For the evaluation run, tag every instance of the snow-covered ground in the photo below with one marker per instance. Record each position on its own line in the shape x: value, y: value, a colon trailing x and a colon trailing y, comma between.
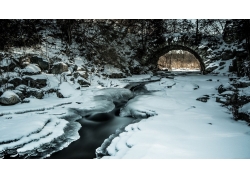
x: 176, y: 124
x: 179, y: 126
x: 48, y: 125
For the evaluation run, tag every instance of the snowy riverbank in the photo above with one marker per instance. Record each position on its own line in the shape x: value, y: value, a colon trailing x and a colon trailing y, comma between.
x: 179, y: 126
x: 175, y: 124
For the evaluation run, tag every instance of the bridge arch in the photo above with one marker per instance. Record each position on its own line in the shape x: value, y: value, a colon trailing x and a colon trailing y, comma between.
x: 198, y: 55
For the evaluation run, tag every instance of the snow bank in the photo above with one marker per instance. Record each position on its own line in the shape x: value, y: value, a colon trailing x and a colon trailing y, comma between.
x: 138, y: 78
x: 245, y: 108
x: 181, y: 127
x: 66, y: 89
x: 115, y: 94
x: 22, y: 125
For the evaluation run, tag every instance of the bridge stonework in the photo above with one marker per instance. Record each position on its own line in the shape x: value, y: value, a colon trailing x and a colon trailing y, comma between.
x: 206, y: 50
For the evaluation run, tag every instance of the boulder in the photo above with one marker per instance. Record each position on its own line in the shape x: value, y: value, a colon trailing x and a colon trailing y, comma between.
x: 38, y: 81
x: 24, y: 61
x: 31, y: 69
x: 38, y: 93
x: 82, y: 81
x: 210, y: 69
x: 16, y: 81
x: 42, y: 63
x: 82, y: 74
x: 59, y: 68
x: 225, y: 87
x: 9, y: 98
x: 19, y: 93
x: 21, y: 88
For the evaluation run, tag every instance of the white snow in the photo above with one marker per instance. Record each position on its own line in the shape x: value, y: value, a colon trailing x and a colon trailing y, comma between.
x: 245, y: 108
x: 8, y: 94
x: 178, y: 126
x: 31, y: 68
x: 22, y: 125
x: 66, y: 89
x: 115, y: 93
x: 110, y: 69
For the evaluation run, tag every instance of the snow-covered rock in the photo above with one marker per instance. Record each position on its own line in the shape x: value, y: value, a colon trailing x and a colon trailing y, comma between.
x: 82, y: 81
x: 16, y: 81
x: 9, y: 98
x: 38, y: 93
x: 65, y: 90
x: 225, y: 87
x: 59, y: 68
x: 82, y: 74
x: 31, y: 69
x: 37, y: 81
x: 42, y: 63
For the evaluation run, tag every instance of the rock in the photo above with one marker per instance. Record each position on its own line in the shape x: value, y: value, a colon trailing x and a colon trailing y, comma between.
x: 9, y: 98
x: 59, y: 95
x: 55, y: 59
x: 38, y: 93
x: 38, y: 81
x: 31, y: 69
x: 73, y: 67
x: 16, y: 81
x: 59, y: 68
x: 83, y: 82
x: 203, y: 98
x: 82, y: 74
x: 221, y: 100
x: 222, y: 88
x: 24, y: 61
x: 210, y: 69
x: 19, y: 93
x: 42, y: 63
x: 22, y: 88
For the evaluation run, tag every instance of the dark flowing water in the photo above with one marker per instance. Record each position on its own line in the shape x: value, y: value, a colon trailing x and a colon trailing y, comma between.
x: 95, y: 129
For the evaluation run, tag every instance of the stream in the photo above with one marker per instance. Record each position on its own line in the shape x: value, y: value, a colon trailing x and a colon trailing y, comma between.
x: 95, y: 129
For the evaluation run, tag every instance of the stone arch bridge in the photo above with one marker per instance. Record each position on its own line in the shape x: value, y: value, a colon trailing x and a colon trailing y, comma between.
x: 196, y: 46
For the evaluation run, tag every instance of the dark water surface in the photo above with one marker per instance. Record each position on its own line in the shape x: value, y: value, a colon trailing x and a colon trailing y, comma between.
x: 95, y: 129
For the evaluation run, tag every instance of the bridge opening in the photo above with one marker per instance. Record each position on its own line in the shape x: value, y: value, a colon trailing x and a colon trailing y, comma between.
x: 179, y: 60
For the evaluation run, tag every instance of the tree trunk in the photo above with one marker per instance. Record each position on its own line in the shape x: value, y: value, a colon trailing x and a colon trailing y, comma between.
x: 197, y: 31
